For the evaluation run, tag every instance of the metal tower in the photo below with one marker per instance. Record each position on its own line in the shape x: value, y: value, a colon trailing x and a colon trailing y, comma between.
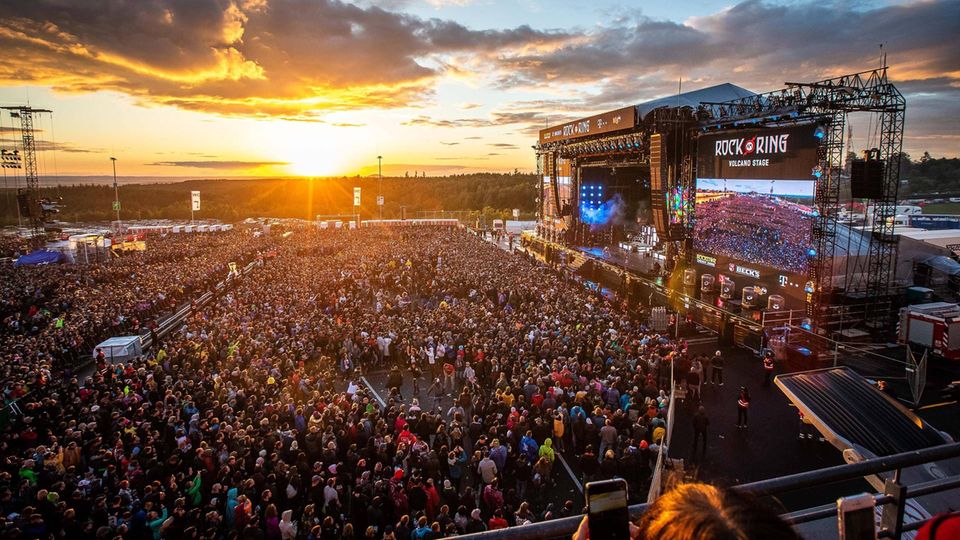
x: 31, y: 193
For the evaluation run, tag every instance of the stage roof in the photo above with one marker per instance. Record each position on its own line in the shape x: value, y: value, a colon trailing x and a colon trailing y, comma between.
x: 712, y: 94
x: 631, y: 116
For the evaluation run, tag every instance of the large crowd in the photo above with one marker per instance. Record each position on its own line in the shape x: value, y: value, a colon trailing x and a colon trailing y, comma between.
x: 254, y: 420
x: 52, y: 316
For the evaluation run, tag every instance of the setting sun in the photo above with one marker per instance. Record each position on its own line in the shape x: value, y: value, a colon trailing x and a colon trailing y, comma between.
x: 317, y: 161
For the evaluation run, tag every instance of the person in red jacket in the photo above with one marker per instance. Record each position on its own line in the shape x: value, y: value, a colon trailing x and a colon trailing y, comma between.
x: 497, y: 521
x: 767, y: 368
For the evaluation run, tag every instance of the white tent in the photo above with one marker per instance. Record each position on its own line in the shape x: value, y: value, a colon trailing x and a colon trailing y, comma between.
x: 120, y: 349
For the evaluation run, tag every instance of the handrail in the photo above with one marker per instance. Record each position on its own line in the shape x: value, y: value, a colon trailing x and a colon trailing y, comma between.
x: 656, y: 479
x: 567, y: 526
x: 850, y: 471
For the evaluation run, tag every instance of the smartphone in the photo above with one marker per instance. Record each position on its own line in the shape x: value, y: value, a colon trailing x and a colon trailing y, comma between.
x: 609, y: 518
x: 857, y: 519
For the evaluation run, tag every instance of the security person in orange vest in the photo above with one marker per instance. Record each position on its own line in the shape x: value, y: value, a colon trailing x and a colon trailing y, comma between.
x: 767, y: 367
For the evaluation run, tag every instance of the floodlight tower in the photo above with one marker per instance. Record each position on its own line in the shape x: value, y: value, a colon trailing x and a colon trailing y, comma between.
x: 380, y: 185
x: 116, y: 194
x: 31, y: 193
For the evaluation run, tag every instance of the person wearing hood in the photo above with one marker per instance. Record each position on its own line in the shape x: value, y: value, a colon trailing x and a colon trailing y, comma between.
x: 547, y: 450
x: 231, y: 506
x: 288, y: 527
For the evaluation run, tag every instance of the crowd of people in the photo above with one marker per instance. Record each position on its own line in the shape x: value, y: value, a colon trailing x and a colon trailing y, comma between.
x: 52, y: 316
x: 253, y: 421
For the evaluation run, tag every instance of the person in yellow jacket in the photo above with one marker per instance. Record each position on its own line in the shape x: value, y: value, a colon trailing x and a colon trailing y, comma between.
x: 546, y: 450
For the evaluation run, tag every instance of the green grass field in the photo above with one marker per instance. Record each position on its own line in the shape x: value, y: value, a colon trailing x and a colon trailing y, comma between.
x: 942, y: 208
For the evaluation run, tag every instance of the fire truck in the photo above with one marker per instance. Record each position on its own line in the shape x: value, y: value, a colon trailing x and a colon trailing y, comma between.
x: 935, y: 326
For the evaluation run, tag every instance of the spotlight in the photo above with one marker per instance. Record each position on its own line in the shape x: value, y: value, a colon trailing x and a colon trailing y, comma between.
x: 820, y: 133
x: 811, y: 252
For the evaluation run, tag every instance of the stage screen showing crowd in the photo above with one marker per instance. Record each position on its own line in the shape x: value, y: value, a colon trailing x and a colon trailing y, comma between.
x: 754, y: 209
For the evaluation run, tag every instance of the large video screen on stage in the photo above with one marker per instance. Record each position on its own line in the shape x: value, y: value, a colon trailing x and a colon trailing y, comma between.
x: 755, y: 196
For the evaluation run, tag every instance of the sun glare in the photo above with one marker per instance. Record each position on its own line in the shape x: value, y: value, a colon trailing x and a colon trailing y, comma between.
x: 322, y: 160
x: 307, y: 150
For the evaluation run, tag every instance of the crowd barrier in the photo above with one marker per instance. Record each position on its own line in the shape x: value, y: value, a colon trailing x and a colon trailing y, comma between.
x: 890, y: 504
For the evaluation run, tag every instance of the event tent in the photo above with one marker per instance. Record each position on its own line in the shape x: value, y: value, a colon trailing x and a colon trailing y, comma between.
x: 38, y: 257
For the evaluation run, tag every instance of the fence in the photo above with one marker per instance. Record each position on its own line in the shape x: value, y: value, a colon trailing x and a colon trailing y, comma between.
x: 656, y: 479
x: 892, y: 502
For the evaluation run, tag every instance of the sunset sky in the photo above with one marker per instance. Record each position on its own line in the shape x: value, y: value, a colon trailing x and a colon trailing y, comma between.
x: 315, y: 87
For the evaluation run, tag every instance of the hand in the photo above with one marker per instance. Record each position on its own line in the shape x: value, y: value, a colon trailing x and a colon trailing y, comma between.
x: 583, y: 531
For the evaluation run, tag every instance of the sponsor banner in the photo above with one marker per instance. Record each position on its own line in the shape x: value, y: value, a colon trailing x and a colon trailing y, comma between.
x: 775, y: 153
x: 744, y: 270
x: 706, y: 260
x: 195, y: 200
x: 624, y: 118
x: 356, y: 196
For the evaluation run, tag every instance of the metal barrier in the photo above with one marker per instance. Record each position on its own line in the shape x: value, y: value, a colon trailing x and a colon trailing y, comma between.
x: 892, y: 525
x: 174, y: 321
x: 656, y: 479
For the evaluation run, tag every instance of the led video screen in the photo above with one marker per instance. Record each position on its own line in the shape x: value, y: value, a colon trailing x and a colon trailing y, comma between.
x: 763, y: 222
x: 755, y: 196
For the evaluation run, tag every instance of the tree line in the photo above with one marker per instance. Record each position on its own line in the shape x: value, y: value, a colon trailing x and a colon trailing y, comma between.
x: 488, y: 194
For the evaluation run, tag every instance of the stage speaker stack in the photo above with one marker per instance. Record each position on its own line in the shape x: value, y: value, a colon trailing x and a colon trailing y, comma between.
x: 749, y: 297
x: 658, y: 187
x: 689, y: 277
x: 707, y: 283
x: 866, y: 176
x: 775, y: 302
x: 29, y: 206
x: 727, y: 289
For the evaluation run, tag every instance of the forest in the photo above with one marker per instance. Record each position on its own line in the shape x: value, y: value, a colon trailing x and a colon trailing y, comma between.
x: 488, y: 194
x: 485, y: 195
x: 929, y: 176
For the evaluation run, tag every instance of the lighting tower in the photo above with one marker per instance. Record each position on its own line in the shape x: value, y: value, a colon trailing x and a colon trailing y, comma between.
x: 31, y: 193
x: 116, y: 193
x: 380, y: 185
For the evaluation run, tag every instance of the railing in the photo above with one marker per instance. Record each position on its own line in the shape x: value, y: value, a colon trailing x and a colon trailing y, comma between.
x: 656, y: 479
x: 891, y: 503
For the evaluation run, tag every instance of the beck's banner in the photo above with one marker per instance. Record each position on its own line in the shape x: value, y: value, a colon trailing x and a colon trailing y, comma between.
x: 773, y: 153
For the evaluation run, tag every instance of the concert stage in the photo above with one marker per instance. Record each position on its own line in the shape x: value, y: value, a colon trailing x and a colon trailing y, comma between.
x: 737, y: 196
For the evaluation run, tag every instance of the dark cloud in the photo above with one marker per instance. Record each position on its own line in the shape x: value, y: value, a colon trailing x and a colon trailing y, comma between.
x: 295, y: 59
x: 753, y: 41
x: 473, y: 138
x: 502, y: 145
x: 218, y: 164
x: 440, y: 122
x: 452, y: 143
x: 43, y: 145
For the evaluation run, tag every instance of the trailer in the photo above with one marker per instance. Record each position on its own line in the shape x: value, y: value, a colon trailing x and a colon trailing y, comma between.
x: 935, y: 325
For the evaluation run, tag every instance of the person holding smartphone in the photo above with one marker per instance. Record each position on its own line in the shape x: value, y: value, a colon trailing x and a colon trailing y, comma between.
x: 690, y: 510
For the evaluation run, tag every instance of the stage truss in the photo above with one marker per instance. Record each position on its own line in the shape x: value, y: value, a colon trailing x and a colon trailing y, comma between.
x: 829, y: 101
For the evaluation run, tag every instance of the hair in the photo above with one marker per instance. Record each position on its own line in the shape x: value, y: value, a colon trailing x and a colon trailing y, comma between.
x: 704, y: 512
